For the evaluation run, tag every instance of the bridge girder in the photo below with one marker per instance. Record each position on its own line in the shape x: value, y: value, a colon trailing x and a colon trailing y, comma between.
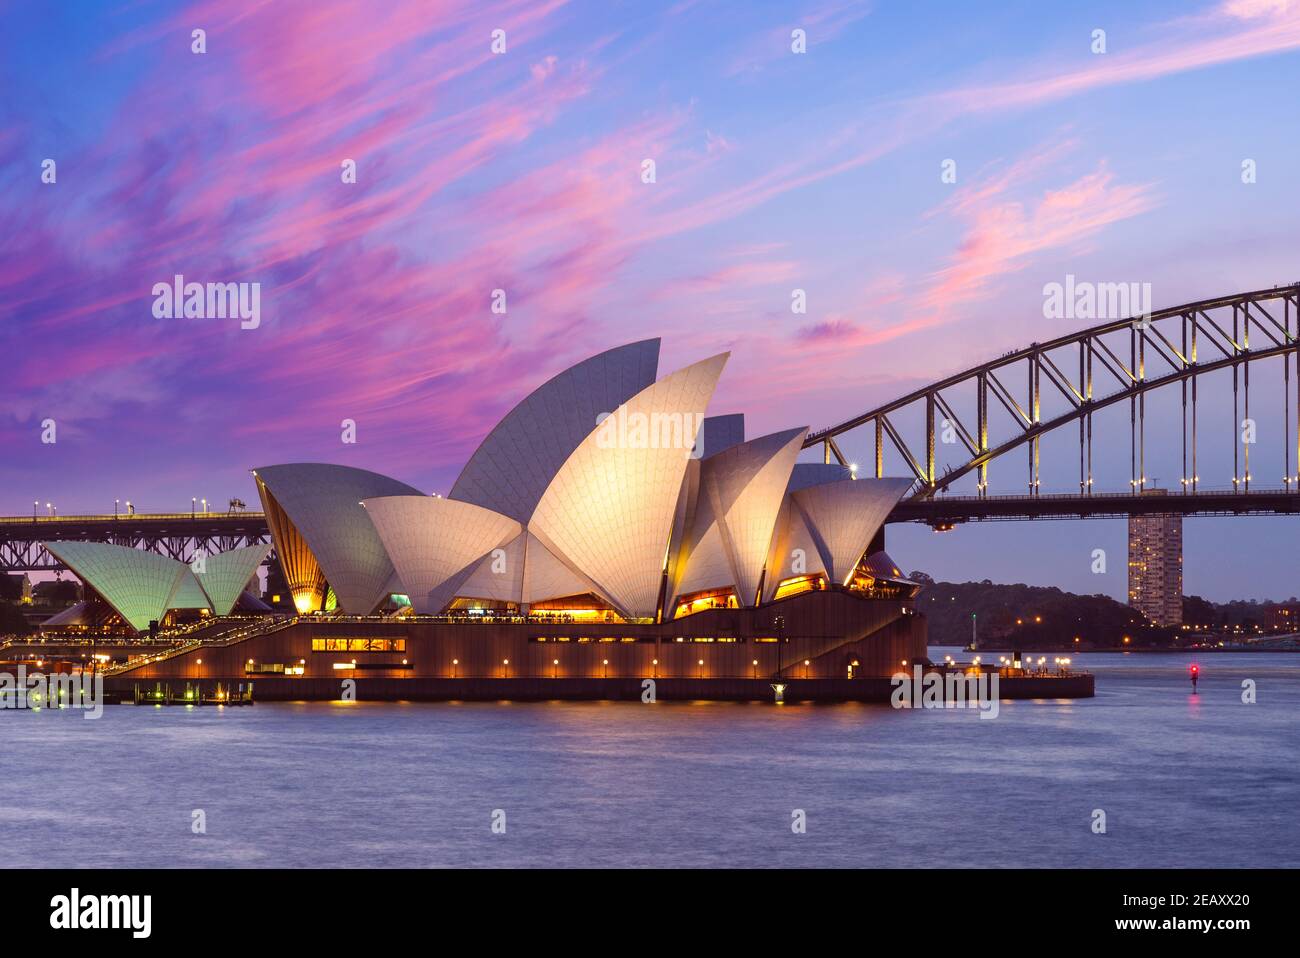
x: 1170, y: 341
x: 179, y: 537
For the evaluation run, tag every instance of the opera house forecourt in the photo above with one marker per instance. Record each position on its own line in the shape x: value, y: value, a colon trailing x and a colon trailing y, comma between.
x: 607, y: 531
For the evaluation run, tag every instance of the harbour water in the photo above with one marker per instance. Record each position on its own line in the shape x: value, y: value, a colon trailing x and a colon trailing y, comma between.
x: 1184, y: 780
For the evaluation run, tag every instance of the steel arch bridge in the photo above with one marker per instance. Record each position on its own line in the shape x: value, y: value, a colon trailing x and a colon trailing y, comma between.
x: 179, y: 536
x: 1119, y: 361
x: 1093, y: 369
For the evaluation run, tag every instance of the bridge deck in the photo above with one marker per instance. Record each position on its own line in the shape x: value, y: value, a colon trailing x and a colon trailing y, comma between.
x: 180, y: 535
x: 951, y: 509
x: 133, y: 520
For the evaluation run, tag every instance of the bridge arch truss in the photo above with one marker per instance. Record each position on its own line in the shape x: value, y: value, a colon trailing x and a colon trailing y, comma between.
x: 1093, y: 369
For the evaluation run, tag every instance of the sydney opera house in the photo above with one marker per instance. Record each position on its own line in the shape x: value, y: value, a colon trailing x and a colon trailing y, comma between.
x: 606, y: 528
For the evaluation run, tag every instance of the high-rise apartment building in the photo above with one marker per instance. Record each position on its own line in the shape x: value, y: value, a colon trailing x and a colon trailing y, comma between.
x: 1155, y: 565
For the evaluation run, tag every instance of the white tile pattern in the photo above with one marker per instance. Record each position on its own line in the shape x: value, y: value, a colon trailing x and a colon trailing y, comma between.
x: 741, y: 490
x: 842, y: 517
x: 547, y: 577
x: 227, y: 574
x: 511, y: 469
x: 324, y: 503
x: 189, y: 594
x: 485, y: 582
x: 73, y: 615
x: 609, y: 510
x: 883, y: 567
x: 807, y: 474
x: 437, y: 544
x: 139, y: 585
x: 791, y: 542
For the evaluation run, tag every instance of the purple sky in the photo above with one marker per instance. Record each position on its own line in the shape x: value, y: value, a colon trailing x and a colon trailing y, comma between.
x: 521, y: 171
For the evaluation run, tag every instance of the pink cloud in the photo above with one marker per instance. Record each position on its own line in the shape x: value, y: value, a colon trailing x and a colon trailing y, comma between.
x: 241, y: 182
x: 1003, y: 233
x: 1255, y: 9
x: 821, y: 24
x: 1278, y: 33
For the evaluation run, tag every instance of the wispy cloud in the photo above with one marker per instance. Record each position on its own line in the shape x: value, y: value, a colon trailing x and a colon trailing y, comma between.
x: 1004, y: 233
x: 821, y: 24
x: 1005, y: 222
x: 1236, y: 30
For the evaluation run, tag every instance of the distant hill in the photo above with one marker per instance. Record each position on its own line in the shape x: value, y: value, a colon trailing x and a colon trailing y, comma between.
x: 1033, y: 617
x: 1037, y: 617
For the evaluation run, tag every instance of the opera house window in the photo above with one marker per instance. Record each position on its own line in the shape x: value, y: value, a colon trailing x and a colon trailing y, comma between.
x: 805, y: 583
x: 358, y: 645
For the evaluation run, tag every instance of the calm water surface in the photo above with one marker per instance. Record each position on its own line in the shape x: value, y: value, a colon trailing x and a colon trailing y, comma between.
x: 1184, y: 780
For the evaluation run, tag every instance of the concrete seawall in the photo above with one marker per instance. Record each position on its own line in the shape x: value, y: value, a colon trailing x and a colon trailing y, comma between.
x: 587, y: 689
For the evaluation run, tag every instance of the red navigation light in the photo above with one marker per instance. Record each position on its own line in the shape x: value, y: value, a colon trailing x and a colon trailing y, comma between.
x: 1194, y: 669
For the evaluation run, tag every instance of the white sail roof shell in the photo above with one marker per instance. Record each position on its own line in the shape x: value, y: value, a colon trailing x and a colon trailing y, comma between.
x: 609, y: 510
x: 741, y: 490
x: 706, y: 564
x: 546, y: 576
x: 842, y: 518
x: 794, y: 551
x: 138, y: 585
x: 531, y: 573
x: 78, y: 614
x: 436, y: 544
x: 499, y: 581
x: 250, y: 601
x: 189, y: 594
x: 513, y: 467
x: 807, y: 474
x: 882, y: 566
x: 323, y: 501
x: 224, y: 576
x: 680, y: 542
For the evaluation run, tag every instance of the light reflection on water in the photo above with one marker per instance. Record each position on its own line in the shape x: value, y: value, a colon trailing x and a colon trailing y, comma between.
x: 1185, y: 780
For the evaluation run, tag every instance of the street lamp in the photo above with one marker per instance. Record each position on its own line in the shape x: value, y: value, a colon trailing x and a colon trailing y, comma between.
x: 806, y: 663
x: 454, y: 663
x: 115, y: 505
x: 778, y: 623
x: 756, y: 668
x: 604, y: 668
x: 506, y: 664
x: 555, y: 668
x: 655, y: 672
x: 193, y: 502
x: 35, y: 506
x: 701, y: 668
